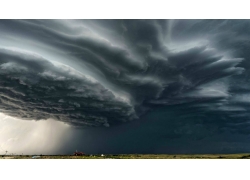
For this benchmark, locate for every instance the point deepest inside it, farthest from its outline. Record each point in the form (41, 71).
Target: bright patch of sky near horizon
(30, 137)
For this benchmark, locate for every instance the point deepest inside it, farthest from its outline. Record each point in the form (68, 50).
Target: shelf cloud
(102, 73)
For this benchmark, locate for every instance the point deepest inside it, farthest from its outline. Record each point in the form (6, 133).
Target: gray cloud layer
(34, 88)
(102, 72)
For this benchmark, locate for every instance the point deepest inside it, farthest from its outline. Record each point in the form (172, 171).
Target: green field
(132, 156)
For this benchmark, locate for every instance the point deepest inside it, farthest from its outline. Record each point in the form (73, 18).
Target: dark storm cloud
(33, 88)
(136, 66)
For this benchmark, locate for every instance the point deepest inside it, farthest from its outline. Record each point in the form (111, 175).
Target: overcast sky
(124, 86)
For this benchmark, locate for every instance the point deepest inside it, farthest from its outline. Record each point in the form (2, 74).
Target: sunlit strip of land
(131, 156)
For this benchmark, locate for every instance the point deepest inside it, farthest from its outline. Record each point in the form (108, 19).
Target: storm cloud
(107, 72)
(34, 88)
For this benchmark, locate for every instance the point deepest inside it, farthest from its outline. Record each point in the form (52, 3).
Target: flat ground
(131, 156)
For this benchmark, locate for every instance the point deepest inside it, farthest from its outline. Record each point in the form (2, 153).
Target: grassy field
(132, 156)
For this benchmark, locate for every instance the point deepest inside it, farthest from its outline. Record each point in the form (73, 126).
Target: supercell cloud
(34, 88)
(102, 73)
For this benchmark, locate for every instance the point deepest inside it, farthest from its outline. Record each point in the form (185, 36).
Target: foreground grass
(134, 156)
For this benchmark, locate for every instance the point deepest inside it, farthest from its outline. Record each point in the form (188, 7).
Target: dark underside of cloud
(179, 81)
